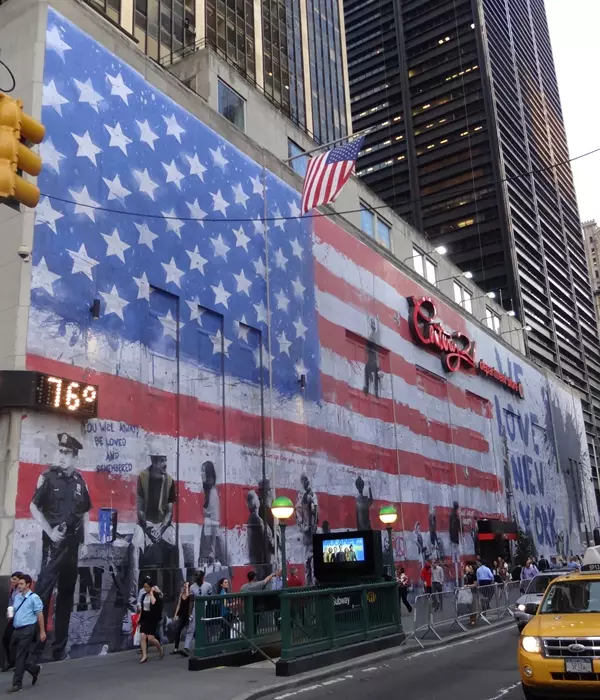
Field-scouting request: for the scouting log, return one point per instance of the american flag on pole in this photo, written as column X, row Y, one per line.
column 327, row 173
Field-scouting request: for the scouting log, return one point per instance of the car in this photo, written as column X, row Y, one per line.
column 526, row 606
column 559, row 649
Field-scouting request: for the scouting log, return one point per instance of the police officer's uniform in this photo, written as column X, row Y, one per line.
column 64, row 500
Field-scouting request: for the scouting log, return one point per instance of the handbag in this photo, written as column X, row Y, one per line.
column 464, row 597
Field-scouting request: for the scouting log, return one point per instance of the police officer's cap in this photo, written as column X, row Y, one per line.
column 69, row 442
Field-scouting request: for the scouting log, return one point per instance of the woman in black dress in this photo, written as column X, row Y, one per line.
column 151, row 608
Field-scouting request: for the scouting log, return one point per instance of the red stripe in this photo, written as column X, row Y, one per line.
column 120, row 400
column 119, row 492
column 363, row 256
column 333, row 337
column 338, row 392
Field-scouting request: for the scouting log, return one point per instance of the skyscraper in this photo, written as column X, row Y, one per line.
column 292, row 50
column 468, row 143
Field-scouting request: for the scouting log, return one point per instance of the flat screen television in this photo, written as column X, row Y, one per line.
column 347, row 557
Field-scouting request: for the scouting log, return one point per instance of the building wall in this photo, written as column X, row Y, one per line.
column 591, row 240
column 187, row 371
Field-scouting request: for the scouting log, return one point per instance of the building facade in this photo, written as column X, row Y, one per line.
column 147, row 297
column 293, row 50
column 468, row 143
column 591, row 239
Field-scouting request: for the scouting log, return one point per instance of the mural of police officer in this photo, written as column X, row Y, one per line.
column 61, row 505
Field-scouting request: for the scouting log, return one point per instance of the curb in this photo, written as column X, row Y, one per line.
column 327, row 672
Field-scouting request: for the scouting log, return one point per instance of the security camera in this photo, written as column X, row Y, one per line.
column 24, row 253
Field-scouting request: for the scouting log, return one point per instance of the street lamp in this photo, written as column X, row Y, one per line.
column 440, row 250
column 388, row 516
column 282, row 509
column 468, row 275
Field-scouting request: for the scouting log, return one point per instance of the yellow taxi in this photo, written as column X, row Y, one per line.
column 559, row 649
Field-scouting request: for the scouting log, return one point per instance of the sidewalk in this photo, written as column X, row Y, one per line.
column 121, row 675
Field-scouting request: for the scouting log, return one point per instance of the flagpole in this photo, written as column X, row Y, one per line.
column 364, row 132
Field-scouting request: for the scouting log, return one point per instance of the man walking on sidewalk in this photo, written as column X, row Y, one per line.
column 437, row 584
column 29, row 613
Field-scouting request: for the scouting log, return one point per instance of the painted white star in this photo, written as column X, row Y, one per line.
column 219, row 204
column 169, row 325
column 143, row 287
column 196, row 310
column 243, row 283
column 221, row 248
column 82, row 262
column 87, row 93
column 221, row 294
column 299, row 288
column 218, row 158
column 297, row 249
column 196, row 212
column 55, row 43
column 84, row 203
column 146, row 185
column 117, row 137
column 259, row 226
column 280, row 259
column 146, row 133
column 240, row 196
column 241, row 239
column 257, row 186
column 242, row 329
column 196, row 167
column 50, row 156
column 279, row 221
column 146, row 235
column 115, row 246
column 197, row 262
column 52, row 98
column 86, row 148
column 113, row 303
column 282, row 301
column 300, row 369
column 220, row 343
column 42, row 278
column 173, row 223
column 173, row 273
column 267, row 358
column 259, row 267
column 284, row 344
column 294, row 209
column 173, row 128
column 119, row 88
column 45, row 214
column 261, row 312
column 116, row 189
column 173, row 175
column 300, row 328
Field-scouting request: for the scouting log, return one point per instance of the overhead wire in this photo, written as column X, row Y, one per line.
column 444, row 195
column 12, row 77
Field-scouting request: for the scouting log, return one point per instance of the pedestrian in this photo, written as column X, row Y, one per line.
column 151, row 610
column 225, row 611
column 437, row 584
column 485, row 578
column 403, row 584
column 253, row 585
column 528, row 572
column 27, row 621
column 61, row 505
column 469, row 584
column 182, row 617
column 198, row 589
column 277, row 581
column 573, row 564
column 294, row 580
column 8, row 662
column 543, row 564
column 426, row 577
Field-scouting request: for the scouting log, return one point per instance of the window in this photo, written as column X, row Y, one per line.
column 596, row 274
column 463, row 297
column 374, row 226
column 492, row 320
column 232, row 106
column 424, row 266
column 298, row 165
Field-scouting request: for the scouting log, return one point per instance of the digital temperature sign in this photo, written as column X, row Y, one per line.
column 48, row 392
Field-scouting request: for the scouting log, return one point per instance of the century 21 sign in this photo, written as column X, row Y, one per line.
column 456, row 349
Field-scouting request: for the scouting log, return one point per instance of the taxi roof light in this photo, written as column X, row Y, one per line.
column 591, row 559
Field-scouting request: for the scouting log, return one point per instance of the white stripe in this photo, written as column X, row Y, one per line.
column 319, row 165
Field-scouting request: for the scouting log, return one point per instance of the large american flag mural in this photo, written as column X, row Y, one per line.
column 261, row 352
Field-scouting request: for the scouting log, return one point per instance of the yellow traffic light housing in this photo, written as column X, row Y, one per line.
column 17, row 128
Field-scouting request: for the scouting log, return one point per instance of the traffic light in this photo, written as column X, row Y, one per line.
column 16, row 128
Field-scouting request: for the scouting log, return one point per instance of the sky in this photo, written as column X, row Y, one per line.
column 574, row 26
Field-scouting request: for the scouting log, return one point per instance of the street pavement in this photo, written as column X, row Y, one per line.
column 478, row 668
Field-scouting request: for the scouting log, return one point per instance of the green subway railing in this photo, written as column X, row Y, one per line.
column 304, row 621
